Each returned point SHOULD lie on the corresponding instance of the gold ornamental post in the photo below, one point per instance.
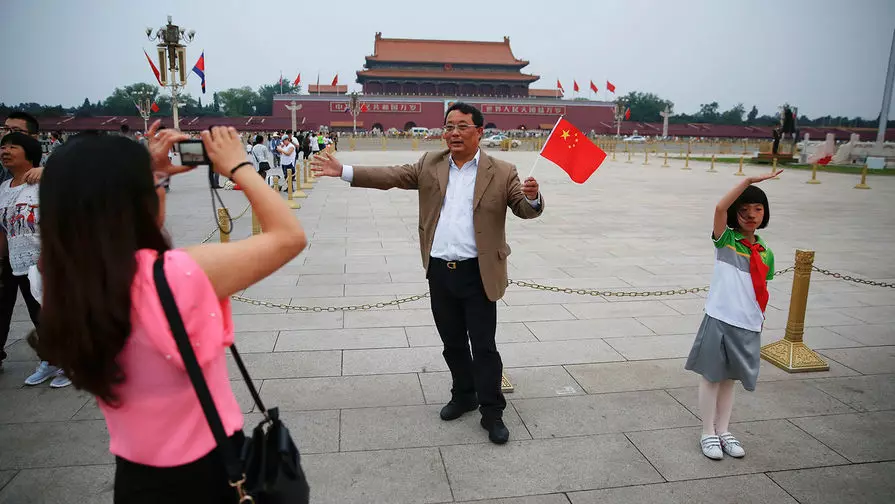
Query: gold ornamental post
(505, 385)
(739, 172)
(791, 354)
(863, 183)
(813, 175)
(224, 225)
(712, 168)
(256, 224)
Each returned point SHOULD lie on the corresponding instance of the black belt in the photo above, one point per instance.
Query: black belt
(454, 265)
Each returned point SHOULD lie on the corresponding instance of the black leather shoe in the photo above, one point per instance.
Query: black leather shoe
(455, 409)
(497, 431)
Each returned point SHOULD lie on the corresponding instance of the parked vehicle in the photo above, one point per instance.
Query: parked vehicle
(494, 141)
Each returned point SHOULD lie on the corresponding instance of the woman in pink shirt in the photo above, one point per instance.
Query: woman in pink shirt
(102, 319)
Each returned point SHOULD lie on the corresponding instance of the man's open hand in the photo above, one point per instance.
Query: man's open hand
(326, 165)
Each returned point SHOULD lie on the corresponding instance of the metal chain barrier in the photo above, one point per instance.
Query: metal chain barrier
(847, 278)
(214, 231)
(318, 309)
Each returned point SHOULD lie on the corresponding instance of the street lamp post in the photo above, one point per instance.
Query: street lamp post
(354, 107)
(144, 105)
(619, 114)
(172, 60)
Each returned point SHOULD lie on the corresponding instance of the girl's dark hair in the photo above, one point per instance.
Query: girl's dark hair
(752, 194)
(88, 254)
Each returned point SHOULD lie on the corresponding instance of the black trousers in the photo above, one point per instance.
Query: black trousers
(10, 285)
(204, 480)
(464, 315)
(286, 170)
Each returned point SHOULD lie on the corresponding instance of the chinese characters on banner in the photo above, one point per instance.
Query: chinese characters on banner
(523, 109)
(400, 107)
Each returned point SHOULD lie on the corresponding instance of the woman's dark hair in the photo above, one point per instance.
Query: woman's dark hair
(752, 194)
(33, 151)
(88, 254)
(477, 118)
(258, 139)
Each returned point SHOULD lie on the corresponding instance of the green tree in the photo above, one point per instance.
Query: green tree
(264, 104)
(733, 116)
(121, 101)
(238, 101)
(708, 113)
(750, 119)
(645, 107)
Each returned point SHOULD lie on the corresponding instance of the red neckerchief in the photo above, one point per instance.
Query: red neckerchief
(759, 272)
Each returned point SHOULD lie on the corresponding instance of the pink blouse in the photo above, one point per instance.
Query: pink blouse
(159, 421)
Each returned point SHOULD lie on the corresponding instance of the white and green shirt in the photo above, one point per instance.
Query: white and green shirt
(731, 296)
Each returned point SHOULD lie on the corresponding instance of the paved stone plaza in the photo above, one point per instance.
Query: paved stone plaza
(603, 411)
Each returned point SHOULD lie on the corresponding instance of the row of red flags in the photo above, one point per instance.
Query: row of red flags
(297, 80)
(593, 87)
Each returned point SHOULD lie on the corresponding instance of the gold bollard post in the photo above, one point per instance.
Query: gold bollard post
(645, 156)
(309, 176)
(224, 224)
(712, 167)
(290, 179)
(863, 184)
(256, 225)
(739, 172)
(384, 142)
(687, 162)
(774, 168)
(629, 157)
(505, 386)
(813, 175)
(790, 353)
(665, 164)
(306, 168)
(613, 153)
(352, 144)
(276, 183)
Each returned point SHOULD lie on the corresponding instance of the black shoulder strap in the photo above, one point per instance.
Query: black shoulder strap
(234, 471)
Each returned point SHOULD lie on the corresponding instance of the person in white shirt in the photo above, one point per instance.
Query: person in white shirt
(287, 158)
(261, 156)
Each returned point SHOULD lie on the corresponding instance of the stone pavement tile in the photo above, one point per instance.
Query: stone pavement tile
(317, 269)
(633, 375)
(549, 381)
(294, 291)
(278, 279)
(871, 335)
(43, 444)
(323, 302)
(772, 445)
(256, 342)
(262, 366)
(19, 350)
(608, 270)
(779, 399)
(647, 282)
(867, 360)
(686, 306)
(874, 297)
(530, 467)
(407, 476)
(15, 372)
(416, 426)
(240, 308)
(821, 300)
(776, 319)
(532, 499)
(873, 314)
(510, 332)
(387, 289)
(864, 483)
(674, 324)
(769, 372)
(618, 310)
(313, 431)
(288, 322)
(342, 392)
(533, 313)
(40, 404)
(377, 267)
(602, 414)
(588, 329)
(5, 477)
(338, 339)
(863, 393)
(747, 489)
(344, 279)
(61, 485)
(653, 347)
(530, 297)
(859, 437)
(392, 361)
(553, 353)
(817, 338)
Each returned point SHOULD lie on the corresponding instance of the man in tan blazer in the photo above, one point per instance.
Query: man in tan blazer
(463, 198)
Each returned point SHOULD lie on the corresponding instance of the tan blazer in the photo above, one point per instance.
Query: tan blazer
(497, 187)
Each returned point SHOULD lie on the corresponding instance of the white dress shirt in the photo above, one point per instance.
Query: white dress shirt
(455, 233)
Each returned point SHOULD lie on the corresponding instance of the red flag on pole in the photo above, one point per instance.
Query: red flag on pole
(158, 75)
(575, 85)
(628, 114)
(593, 87)
(559, 86)
(572, 151)
(297, 80)
(610, 87)
(154, 107)
(363, 107)
(336, 80)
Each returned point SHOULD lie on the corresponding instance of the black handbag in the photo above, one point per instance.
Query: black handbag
(268, 471)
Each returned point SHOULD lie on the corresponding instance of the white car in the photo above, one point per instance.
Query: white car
(634, 139)
(494, 141)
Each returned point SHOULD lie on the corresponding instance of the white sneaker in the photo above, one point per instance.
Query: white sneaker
(731, 446)
(60, 380)
(43, 373)
(711, 447)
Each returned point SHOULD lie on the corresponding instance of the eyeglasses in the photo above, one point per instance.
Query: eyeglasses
(12, 129)
(462, 127)
(161, 179)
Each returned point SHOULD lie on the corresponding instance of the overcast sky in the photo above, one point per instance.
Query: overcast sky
(826, 56)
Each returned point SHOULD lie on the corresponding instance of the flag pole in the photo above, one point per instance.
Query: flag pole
(542, 147)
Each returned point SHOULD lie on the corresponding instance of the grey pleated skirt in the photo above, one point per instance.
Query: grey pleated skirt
(725, 352)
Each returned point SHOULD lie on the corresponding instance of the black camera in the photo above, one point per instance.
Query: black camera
(192, 152)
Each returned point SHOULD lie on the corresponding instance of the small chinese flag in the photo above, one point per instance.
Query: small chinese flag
(154, 107)
(628, 114)
(575, 85)
(610, 87)
(297, 80)
(336, 80)
(572, 151)
(593, 87)
(559, 86)
(363, 107)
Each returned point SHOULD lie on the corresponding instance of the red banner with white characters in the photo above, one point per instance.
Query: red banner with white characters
(390, 107)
